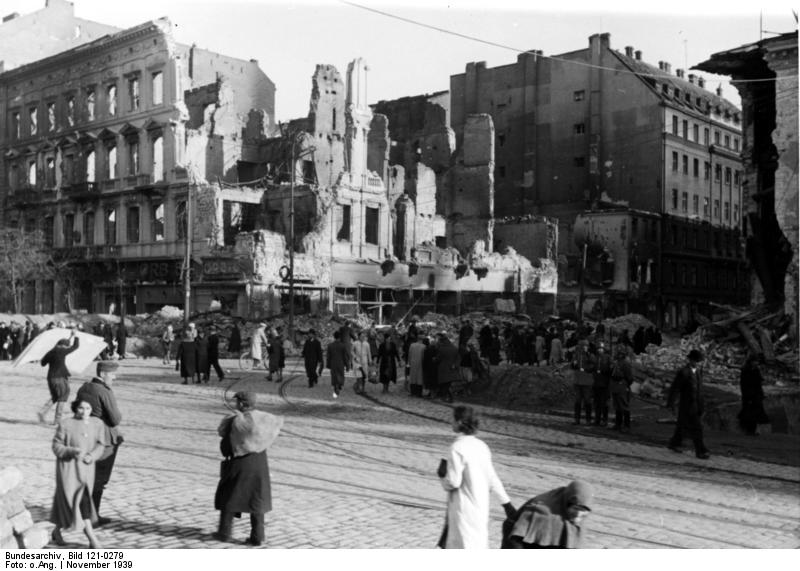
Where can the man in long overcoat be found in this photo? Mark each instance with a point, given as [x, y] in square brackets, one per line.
[339, 361]
[312, 358]
[687, 388]
[98, 393]
[447, 362]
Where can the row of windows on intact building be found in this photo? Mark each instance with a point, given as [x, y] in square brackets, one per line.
[61, 113]
[684, 206]
[681, 128]
[96, 162]
[683, 165]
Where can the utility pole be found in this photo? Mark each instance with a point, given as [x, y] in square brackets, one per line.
[582, 279]
[293, 166]
[187, 262]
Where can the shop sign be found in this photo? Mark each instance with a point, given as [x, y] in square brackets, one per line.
[221, 269]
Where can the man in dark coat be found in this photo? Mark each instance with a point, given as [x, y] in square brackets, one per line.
[447, 363]
[235, 340]
[601, 386]
[312, 358]
[58, 376]
[122, 338]
[339, 361]
[213, 353]
[388, 360]
[750, 383]
[687, 388]
[201, 347]
[429, 356]
[639, 341]
[98, 393]
[584, 365]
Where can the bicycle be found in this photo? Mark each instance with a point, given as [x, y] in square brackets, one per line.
[246, 361]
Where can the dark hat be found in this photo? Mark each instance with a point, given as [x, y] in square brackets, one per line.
[312, 332]
[695, 355]
[107, 367]
[247, 398]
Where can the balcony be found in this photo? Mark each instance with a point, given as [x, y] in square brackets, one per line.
[109, 184]
[81, 190]
[135, 180]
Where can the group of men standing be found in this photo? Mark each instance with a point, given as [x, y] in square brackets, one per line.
[14, 338]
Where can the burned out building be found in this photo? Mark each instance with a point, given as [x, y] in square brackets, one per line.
[598, 128]
[107, 147]
[765, 74]
[373, 230]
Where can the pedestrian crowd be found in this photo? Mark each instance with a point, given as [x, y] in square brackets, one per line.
[86, 443]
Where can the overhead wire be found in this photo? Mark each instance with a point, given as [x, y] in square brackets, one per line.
[530, 52]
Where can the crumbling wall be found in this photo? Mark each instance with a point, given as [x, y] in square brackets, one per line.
[541, 276]
[213, 133]
[207, 220]
[468, 197]
[532, 236]
[378, 147]
[261, 254]
[784, 63]
[327, 123]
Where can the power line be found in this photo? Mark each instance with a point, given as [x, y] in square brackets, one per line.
[520, 51]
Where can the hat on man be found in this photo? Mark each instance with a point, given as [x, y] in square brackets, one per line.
[695, 356]
[107, 367]
[247, 398]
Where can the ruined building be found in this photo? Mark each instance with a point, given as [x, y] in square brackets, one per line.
[373, 224]
[765, 73]
[104, 145]
[597, 129]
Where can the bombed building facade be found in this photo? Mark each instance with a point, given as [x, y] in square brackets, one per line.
[611, 133]
[376, 228]
[104, 145]
[765, 74]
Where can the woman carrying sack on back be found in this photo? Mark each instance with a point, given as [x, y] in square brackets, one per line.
[244, 485]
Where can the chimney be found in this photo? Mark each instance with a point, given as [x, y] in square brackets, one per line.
[667, 67]
[661, 65]
[679, 73]
[719, 90]
[691, 78]
[629, 51]
[638, 54]
[701, 81]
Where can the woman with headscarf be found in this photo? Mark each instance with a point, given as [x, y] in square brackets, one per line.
[468, 477]
[186, 358]
[244, 485]
[550, 520]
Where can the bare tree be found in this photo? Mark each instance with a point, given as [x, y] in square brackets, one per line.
[24, 257]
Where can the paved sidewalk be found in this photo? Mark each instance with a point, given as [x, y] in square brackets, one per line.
[359, 472]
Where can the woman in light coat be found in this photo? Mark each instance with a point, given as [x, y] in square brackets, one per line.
[78, 444]
[468, 477]
[362, 353]
[258, 340]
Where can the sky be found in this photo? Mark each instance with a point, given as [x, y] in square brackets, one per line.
[290, 38]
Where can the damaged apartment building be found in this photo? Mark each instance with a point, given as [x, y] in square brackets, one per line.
[378, 225]
[103, 146]
[640, 165]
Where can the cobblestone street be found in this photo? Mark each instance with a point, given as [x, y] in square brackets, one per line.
[359, 472]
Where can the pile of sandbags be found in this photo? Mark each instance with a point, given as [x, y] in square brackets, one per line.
[17, 528]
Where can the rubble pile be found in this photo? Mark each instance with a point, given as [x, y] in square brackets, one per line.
[630, 322]
[17, 528]
[726, 342]
[525, 387]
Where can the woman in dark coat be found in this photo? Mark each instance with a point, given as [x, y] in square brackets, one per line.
[203, 363]
[186, 359]
[429, 367]
[750, 383]
[235, 340]
[551, 520]
[244, 485]
[388, 359]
